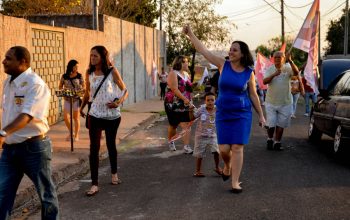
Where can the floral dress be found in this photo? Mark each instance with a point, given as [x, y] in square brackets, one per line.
[172, 102]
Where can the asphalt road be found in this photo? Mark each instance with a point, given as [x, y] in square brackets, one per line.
[302, 182]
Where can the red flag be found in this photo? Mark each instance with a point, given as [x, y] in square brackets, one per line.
[283, 47]
[262, 63]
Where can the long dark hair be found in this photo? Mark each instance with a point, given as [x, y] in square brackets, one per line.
[177, 63]
[69, 68]
[247, 59]
[105, 62]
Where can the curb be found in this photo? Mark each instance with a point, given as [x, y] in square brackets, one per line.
[27, 199]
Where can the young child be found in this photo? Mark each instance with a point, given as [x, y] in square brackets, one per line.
[205, 135]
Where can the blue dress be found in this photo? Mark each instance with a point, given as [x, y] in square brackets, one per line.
[233, 106]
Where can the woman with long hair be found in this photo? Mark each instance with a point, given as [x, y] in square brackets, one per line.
[237, 95]
[72, 80]
[105, 91]
[177, 101]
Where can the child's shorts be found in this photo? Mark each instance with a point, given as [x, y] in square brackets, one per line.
[201, 143]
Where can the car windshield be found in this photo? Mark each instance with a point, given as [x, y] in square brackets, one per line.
[341, 87]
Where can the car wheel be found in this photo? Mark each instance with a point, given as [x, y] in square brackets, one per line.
[314, 133]
[338, 141]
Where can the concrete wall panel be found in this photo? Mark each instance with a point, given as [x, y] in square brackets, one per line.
[128, 45]
[132, 50]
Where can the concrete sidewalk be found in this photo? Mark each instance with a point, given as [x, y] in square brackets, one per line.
[66, 164]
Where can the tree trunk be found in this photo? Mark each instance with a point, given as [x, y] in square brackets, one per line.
[192, 65]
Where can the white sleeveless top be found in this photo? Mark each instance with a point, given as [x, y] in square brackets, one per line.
[107, 93]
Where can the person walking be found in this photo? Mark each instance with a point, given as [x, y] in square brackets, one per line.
[26, 147]
[297, 88]
[177, 101]
[278, 103]
[163, 83]
[236, 97]
[72, 80]
[309, 94]
[105, 91]
[205, 135]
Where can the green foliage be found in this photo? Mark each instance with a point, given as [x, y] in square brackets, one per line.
[210, 28]
[32, 7]
[143, 12]
[274, 44]
[335, 36]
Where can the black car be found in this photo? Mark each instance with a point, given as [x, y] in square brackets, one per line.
[331, 113]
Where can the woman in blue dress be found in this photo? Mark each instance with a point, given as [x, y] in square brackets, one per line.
[237, 95]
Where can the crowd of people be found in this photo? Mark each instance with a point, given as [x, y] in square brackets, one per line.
[224, 120]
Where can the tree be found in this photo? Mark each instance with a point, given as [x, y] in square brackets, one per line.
[32, 7]
[274, 44]
[210, 28]
[143, 12]
[335, 36]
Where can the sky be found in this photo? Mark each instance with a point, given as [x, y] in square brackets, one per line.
[257, 22]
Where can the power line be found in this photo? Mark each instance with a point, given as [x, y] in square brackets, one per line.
[251, 15]
[299, 6]
[334, 9]
[247, 11]
[272, 6]
[298, 16]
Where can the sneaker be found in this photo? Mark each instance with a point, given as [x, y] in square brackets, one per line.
[293, 116]
[188, 149]
[269, 144]
[172, 146]
[306, 114]
[278, 147]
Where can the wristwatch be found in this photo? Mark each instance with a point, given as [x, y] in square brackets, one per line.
[3, 133]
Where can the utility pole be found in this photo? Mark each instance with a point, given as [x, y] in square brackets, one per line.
[160, 14]
[282, 15]
[282, 19]
[95, 4]
[346, 29]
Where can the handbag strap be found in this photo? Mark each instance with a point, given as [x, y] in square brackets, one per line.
[99, 86]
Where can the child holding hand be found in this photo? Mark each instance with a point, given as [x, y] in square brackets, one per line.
[205, 135]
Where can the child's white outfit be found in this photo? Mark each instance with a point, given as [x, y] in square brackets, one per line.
[205, 135]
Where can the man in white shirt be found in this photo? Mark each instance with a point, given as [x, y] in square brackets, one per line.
[26, 148]
[278, 102]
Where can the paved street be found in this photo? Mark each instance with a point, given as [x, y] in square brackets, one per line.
[303, 182]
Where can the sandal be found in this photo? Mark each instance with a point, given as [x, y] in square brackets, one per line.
[198, 175]
[115, 180]
[92, 191]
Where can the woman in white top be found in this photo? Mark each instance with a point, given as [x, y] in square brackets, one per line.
[104, 113]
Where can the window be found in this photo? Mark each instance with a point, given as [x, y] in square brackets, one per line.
[343, 85]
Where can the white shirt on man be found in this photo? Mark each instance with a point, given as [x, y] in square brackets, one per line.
[28, 94]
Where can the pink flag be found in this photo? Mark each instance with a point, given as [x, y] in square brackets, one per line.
[307, 40]
[303, 39]
[262, 63]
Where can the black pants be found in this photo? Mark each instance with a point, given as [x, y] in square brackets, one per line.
[95, 131]
[162, 90]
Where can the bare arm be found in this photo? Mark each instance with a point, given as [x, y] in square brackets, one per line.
[268, 79]
[173, 85]
[60, 86]
[86, 94]
[255, 99]
[216, 60]
[20, 122]
[121, 85]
